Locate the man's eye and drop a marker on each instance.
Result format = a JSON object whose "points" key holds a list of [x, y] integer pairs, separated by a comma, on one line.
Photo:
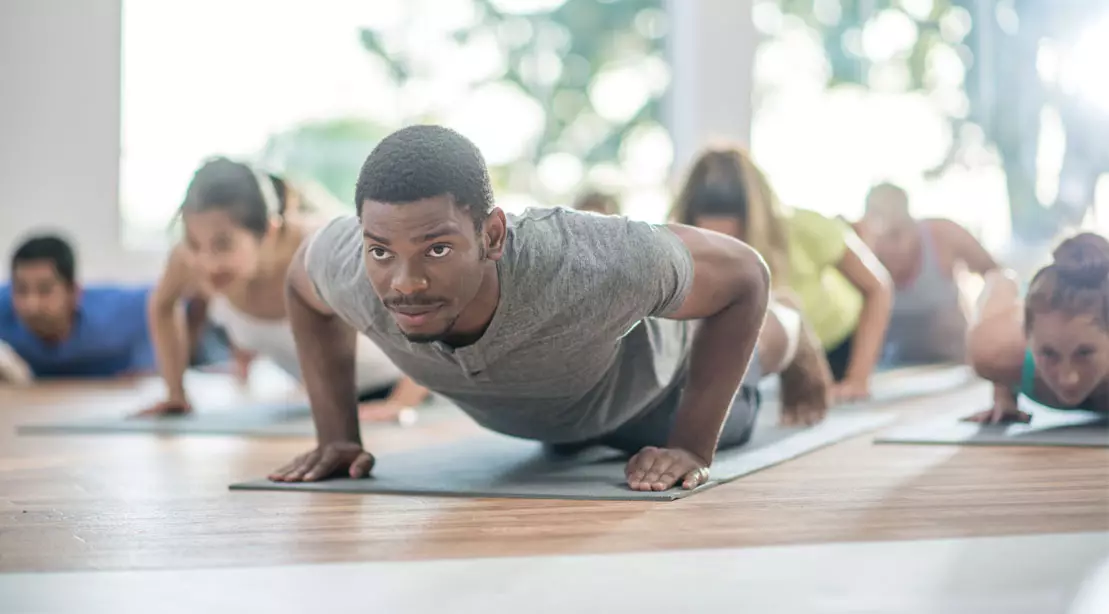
{"points": [[378, 253], [439, 251]]}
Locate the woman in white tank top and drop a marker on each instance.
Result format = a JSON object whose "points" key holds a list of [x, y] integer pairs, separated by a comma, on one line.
{"points": [[242, 228]]}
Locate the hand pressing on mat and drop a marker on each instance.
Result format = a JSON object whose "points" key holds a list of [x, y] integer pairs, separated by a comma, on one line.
{"points": [[661, 468], [1004, 409], [169, 407], [849, 390], [328, 460], [13, 370]]}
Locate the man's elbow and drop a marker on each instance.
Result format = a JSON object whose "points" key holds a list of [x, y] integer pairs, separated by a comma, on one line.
{"points": [[753, 279]]}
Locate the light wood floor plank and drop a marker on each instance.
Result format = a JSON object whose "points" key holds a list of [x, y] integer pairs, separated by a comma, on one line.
{"points": [[146, 502]]}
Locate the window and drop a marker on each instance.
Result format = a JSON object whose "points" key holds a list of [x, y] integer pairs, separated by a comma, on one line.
{"points": [[967, 105], [559, 94]]}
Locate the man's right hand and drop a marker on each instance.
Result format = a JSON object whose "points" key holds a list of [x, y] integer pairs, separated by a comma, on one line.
{"points": [[327, 461], [169, 407]]}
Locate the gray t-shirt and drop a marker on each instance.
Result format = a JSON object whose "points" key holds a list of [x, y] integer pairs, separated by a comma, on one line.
{"points": [[577, 346]]}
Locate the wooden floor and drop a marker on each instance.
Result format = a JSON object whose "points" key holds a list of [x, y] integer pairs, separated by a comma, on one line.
{"points": [[141, 502]]}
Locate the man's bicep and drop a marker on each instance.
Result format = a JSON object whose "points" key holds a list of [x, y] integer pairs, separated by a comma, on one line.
{"points": [[299, 283], [724, 270]]}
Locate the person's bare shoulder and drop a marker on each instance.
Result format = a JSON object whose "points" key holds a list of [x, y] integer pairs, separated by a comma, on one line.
{"points": [[956, 243], [942, 226]]}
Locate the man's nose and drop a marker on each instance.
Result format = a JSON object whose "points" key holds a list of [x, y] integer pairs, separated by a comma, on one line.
{"points": [[410, 279]]}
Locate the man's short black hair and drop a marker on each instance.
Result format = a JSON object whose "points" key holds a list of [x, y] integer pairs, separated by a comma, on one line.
{"points": [[426, 161], [48, 247]]}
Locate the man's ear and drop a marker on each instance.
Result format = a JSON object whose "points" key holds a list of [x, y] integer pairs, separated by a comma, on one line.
{"points": [[495, 233]]}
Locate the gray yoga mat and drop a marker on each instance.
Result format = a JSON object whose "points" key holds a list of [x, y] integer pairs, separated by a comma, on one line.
{"points": [[255, 420], [1049, 427], [502, 467], [261, 420], [258, 419], [898, 384]]}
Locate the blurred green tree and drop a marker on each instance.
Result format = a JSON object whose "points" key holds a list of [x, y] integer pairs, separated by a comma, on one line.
{"points": [[329, 152], [554, 54], [998, 42]]}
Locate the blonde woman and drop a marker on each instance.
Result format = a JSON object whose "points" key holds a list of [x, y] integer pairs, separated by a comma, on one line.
{"points": [[820, 263]]}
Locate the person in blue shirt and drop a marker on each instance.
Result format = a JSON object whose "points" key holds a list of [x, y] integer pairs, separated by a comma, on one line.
{"points": [[60, 329]]}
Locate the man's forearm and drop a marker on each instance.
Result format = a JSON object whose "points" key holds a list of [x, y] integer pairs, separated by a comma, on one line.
{"points": [[326, 350], [721, 353], [870, 335]]}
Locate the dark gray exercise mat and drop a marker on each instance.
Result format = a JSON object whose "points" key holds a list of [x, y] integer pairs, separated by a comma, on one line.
{"points": [[900, 384], [251, 420], [1049, 427], [259, 420], [496, 466]]}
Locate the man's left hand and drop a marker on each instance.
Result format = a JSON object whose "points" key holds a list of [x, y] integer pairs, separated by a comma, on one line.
{"points": [[661, 468]]}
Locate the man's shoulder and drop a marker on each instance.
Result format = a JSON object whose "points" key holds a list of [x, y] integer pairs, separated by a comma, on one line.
{"points": [[576, 235], [117, 306], [944, 228], [114, 294], [7, 311], [335, 266], [334, 249], [560, 256]]}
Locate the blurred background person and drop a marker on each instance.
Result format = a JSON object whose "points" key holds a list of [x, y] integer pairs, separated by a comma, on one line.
{"points": [[925, 259]]}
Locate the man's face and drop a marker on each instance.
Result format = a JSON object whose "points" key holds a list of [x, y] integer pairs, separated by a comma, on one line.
{"points": [[43, 300], [890, 231], [426, 262]]}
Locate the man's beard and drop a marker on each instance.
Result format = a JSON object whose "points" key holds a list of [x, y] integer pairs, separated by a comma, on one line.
{"points": [[425, 338]]}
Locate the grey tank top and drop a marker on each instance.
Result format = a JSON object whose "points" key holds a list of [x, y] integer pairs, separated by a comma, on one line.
{"points": [[578, 344], [927, 323]]}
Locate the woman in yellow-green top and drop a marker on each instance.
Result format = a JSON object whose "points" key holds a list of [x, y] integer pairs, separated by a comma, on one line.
{"points": [[838, 283]]}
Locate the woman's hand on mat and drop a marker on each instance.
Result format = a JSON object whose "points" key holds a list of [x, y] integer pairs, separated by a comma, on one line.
{"points": [[169, 407], [851, 390], [327, 461], [13, 369], [661, 468], [1004, 409]]}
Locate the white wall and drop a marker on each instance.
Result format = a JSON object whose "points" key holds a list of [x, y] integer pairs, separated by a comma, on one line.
{"points": [[59, 131]]}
